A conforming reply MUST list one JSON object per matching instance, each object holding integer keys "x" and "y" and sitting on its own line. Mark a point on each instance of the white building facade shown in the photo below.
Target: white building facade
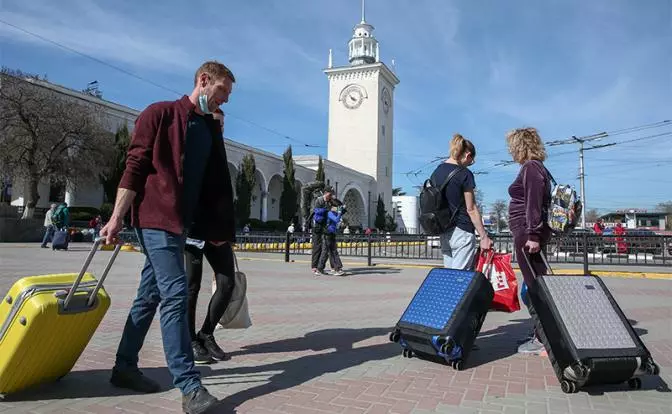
{"x": 360, "y": 136}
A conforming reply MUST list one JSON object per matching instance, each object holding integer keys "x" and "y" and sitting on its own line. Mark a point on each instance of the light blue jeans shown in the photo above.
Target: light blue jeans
{"x": 458, "y": 248}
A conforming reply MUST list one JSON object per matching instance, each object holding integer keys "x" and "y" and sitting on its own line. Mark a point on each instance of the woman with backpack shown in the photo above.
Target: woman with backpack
{"x": 530, "y": 195}
{"x": 458, "y": 243}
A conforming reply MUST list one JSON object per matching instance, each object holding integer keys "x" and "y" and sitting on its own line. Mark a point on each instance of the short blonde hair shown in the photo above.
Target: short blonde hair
{"x": 525, "y": 144}
{"x": 216, "y": 71}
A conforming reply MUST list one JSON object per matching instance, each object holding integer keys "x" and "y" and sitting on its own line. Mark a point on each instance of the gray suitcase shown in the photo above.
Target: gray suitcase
{"x": 588, "y": 338}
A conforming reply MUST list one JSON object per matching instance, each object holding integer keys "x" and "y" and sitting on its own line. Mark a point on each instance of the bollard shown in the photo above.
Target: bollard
{"x": 368, "y": 260}
{"x": 586, "y": 270}
{"x": 287, "y": 243}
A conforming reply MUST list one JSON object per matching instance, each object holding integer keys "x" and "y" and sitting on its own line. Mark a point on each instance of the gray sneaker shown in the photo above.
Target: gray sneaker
{"x": 533, "y": 347}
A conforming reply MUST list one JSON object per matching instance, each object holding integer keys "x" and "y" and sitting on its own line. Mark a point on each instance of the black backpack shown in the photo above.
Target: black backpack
{"x": 435, "y": 215}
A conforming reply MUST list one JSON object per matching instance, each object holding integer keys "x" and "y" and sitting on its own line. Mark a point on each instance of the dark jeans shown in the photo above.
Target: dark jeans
{"x": 164, "y": 282}
{"x": 48, "y": 235}
{"x": 316, "y": 251}
{"x": 221, "y": 261}
{"x": 329, "y": 249}
{"x": 538, "y": 266}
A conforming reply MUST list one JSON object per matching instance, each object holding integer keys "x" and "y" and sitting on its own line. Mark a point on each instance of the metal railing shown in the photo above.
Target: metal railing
{"x": 585, "y": 249}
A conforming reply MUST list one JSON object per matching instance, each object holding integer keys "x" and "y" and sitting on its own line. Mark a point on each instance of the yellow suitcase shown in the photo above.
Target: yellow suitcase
{"x": 46, "y": 322}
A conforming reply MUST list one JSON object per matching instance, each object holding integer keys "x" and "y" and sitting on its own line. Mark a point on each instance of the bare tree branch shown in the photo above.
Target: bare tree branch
{"x": 45, "y": 134}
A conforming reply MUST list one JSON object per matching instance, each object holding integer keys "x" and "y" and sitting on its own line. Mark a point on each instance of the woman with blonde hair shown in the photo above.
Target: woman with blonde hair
{"x": 530, "y": 195}
{"x": 458, "y": 243}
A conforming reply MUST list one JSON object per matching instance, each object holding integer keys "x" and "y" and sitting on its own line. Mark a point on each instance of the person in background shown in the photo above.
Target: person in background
{"x": 598, "y": 227}
{"x": 48, "y": 226}
{"x": 165, "y": 201}
{"x": 530, "y": 193}
{"x": 458, "y": 243}
{"x": 95, "y": 225}
{"x": 329, "y": 246}
{"x": 219, "y": 256}
{"x": 321, "y": 208}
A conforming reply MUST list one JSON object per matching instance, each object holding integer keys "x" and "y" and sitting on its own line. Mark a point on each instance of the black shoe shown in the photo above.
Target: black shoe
{"x": 212, "y": 348}
{"x": 201, "y": 354}
{"x": 198, "y": 401}
{"x": 134, "y": 380}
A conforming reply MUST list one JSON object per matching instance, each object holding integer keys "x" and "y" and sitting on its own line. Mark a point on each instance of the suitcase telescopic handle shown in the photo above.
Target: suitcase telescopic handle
{"x": 87, "y": 262}
{"x": 526, "y": 255}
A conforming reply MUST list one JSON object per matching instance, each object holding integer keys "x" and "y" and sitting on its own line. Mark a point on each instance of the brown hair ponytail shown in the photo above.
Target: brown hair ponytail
{"x": 459, "y": 146}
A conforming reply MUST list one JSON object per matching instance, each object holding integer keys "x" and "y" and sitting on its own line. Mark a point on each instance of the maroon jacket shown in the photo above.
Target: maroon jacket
{"x": 154, "y": 170}
{"x": 528, "y": 209}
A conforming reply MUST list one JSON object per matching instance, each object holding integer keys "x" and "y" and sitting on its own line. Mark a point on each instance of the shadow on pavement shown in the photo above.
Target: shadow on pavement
{"x": 292, "y": 372}
{"x": 342, "y": 339}
{"x": 373, "y": 270}
{"x": 638, "y": 331}
{"x": 498, "y": 343}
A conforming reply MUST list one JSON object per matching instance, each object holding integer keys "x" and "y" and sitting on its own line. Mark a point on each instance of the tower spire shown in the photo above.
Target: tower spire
{"x": 363, "y": 46}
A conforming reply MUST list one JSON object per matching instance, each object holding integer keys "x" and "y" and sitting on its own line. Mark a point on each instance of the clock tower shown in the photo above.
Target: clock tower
{"x": 361, "y": 108}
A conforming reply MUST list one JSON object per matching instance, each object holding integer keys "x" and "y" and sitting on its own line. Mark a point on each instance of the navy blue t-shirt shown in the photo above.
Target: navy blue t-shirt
{"x": 454, "y": 192}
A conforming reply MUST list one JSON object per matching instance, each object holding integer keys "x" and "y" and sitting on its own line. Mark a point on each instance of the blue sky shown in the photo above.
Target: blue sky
{"x": 481, "y": 68}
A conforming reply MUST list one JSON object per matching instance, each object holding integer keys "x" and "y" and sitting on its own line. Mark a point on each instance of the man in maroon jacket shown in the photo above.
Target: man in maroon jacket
{"x": 176, "y": 150}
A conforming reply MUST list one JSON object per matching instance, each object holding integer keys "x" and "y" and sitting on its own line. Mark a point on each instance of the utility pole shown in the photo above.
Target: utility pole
{"x": 582, "y": 172}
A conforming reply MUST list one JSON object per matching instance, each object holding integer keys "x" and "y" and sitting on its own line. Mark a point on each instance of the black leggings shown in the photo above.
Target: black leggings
{"x": 221, "y": 261}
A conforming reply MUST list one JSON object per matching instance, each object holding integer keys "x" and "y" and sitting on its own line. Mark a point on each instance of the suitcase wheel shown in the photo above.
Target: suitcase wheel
{"x": 635, "y": 383}
{"x": 447, "y": 347}
{"x": 652, "y": 368}
{"x": 395, "y": 336}
{"x": 568, "y": 387}
{"x": 407, "y": 353}
{"x": 458, "y": 364}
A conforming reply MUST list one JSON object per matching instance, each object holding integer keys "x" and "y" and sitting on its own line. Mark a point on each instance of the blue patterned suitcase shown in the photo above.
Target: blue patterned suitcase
{"x": 445, "y": 316}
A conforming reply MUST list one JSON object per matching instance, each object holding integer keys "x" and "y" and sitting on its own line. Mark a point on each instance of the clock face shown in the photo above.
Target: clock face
{"x": 352, "y": 96}
{"x": 387, "y": 100}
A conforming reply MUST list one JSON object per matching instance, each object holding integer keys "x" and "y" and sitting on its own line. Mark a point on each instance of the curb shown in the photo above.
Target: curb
{"x": 600, "y": 273}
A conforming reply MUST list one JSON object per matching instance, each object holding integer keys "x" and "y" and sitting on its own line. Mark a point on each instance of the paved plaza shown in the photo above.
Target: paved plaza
{"x": 320, "y": 345}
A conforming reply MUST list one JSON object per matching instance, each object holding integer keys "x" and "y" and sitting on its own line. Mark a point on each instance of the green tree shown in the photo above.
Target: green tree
{"x": 390, "y": 224}
{"x": 380, "y": 221}
{"x": 245, "y": 182}
{"x": 319, "y": 175}
{"x": 397, "y": 191}
{"x": 288, "y": 202}
{"x": 111, "y": 180}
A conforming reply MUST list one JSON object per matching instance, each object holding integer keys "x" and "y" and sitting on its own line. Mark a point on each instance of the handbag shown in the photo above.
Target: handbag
{"x": 497, "y": 268}
{"x": 237, "y": 314}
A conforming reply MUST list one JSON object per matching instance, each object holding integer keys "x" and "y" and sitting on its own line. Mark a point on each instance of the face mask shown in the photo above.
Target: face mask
{"x": 203, "y": 103}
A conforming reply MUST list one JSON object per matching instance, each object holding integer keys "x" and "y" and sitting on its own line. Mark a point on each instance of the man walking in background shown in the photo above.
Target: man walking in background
{"x": 321, "y": 208}
{"x": 48, "y": 226}
{"x": 174, "y": 152}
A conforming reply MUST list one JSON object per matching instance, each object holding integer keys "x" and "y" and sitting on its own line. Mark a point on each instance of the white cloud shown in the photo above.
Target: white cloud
{"x": 91, "y": 30}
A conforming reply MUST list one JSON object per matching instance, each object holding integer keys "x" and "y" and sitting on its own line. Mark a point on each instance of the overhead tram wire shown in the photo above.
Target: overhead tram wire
{"x": 142, "y": 79}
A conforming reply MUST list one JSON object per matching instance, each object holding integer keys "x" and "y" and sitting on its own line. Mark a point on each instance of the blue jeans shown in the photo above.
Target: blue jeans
{"x": 48, "y": 234}
{"x": 163, "y": 281}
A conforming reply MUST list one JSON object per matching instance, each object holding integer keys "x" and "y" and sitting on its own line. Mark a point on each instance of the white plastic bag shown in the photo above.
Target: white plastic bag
{"x": 237, "y": 314}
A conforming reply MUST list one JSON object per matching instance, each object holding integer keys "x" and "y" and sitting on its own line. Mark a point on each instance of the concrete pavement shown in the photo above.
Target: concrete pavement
{"x": 320, "y": 344}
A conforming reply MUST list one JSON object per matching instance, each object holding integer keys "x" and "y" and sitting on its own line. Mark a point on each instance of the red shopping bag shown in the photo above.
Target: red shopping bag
{"x": 497, "y": 268}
